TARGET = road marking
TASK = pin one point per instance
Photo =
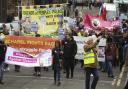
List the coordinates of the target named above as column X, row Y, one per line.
column 126, row 79
column 51, row 78
column 114, row 81
column 120, row 77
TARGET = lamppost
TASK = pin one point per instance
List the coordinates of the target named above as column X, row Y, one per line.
column 19, row 9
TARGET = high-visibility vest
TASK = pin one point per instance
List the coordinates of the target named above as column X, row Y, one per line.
column 79, row 34
column 89, row 57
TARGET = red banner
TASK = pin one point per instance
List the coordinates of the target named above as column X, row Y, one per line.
column 31, row 45
column 95, row 22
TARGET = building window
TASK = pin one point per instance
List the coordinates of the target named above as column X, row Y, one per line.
column 123, row 8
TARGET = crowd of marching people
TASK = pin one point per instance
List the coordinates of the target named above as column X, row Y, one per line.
column 116, row 50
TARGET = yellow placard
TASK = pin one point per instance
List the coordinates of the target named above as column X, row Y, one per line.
column 43, row 19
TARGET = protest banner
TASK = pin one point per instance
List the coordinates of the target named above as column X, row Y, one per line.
column 101, row 53
column 96, row 22
column 45, row 58
column 47, row 18
column 31, row 45
column 81, row 41
column 17, row 57
column 102, row 42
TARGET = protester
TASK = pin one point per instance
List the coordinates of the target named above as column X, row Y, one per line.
column 5, row 29
column 118, row 41
column 90, row 4
column 70, row 50
column 109, row 59
column 37, row 70
column 91, row 63
column 125, row 58
column 81, row 33
column 2, row 58
column 57, row 60
column 5, row 66
column 17, row 67
column 101, row 52
column 76, row 13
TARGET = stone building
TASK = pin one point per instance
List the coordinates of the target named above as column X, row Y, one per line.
column 10, row 7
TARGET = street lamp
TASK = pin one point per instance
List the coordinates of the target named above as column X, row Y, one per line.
column 19, row 9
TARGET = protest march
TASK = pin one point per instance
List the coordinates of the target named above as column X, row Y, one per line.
column 50, row 37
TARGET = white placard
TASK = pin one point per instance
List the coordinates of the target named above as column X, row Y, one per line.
column 17, row 57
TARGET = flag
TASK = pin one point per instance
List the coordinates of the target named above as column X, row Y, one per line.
column 103, row 13
column 95, row 22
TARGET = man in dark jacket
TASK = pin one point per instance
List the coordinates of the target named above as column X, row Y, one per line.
column 2, row 58
column 70, row 50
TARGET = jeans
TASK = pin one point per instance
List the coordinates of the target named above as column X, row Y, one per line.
column 1, row 71
column 37, row 69
column 102, row 66
column 70, row 68
column 57, row 70
column 17, row 68
column 109, row 67
column 95, row 73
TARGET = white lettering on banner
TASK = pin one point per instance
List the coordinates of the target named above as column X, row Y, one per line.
column 115, row 23
column 17, row 57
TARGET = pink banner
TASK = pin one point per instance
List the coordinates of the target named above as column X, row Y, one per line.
column 95, row 22
column 18, row 57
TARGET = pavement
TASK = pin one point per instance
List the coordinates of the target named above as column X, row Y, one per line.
column 25, row 80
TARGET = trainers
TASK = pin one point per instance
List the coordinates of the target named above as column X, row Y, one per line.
column 2, row 83
column 38, row 74
column 59, row 83
column 111, row 76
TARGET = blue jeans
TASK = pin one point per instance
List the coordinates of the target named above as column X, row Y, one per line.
column 57, row 70
column 102, row 66
column 95, row 73
column 109, row 67
column 1, row 71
